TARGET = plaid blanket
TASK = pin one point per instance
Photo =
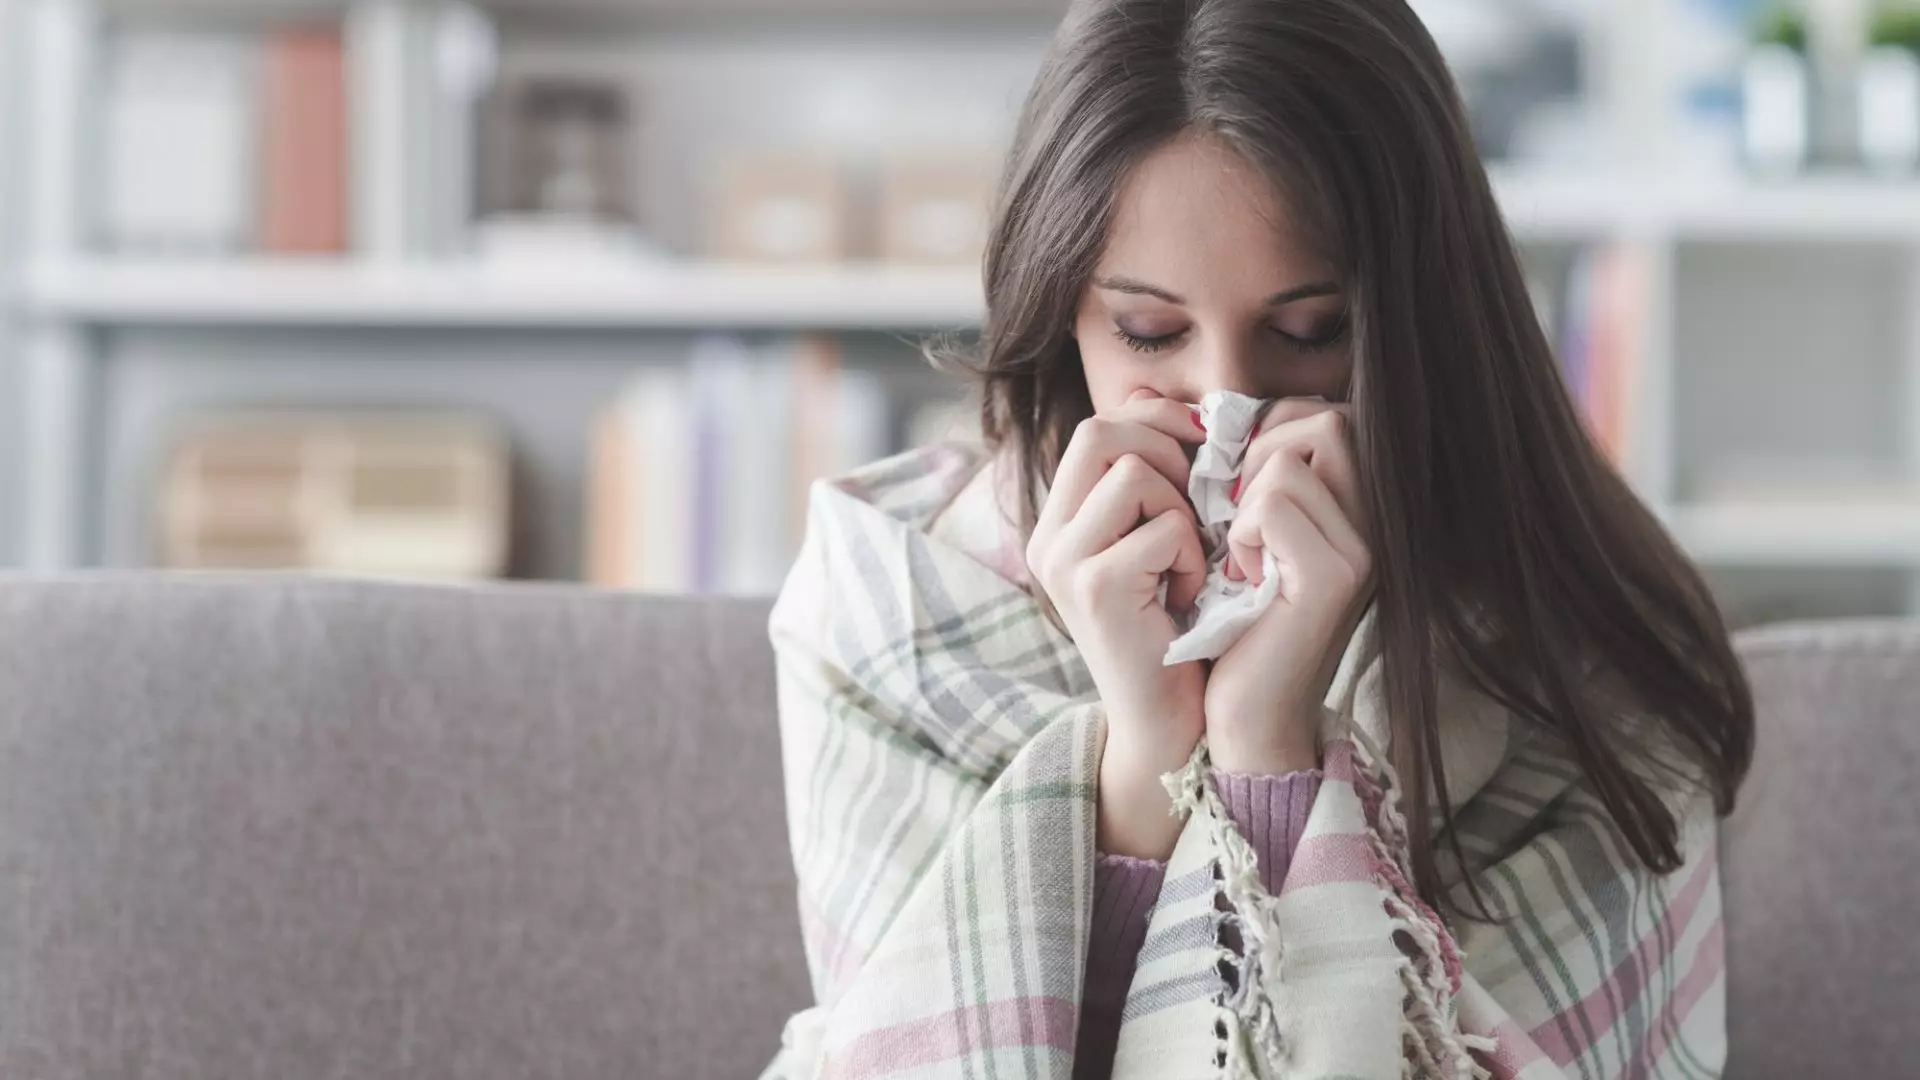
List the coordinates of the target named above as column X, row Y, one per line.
column 941, row 742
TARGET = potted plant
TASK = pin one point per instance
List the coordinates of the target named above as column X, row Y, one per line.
column 1889, row 89
column 1777, row 86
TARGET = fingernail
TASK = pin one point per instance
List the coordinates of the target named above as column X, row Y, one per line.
column 1199, row 423
column 1233, row 571
column 1234, row 495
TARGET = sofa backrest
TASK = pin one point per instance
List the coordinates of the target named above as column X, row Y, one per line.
column 1821, row 859
column 273, row 828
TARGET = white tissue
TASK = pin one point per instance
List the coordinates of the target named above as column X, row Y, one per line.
column 1225, row 608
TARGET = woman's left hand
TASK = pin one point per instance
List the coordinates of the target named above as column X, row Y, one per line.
column 1299, row 500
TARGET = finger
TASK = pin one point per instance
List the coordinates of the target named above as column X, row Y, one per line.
column 1282, row 529
column 1244, row 562
column 1286, row 486
column 1130, row 492
column 1322, row 437
column 1168, row 545
column 1298, row 481
column 1294, row 417
column 1163, row 414
column 1096, row 444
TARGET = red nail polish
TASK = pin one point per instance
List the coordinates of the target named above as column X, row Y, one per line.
column 1197, row 422
column 1234, row 495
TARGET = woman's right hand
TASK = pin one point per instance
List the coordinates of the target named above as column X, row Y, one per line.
column 1115, row 524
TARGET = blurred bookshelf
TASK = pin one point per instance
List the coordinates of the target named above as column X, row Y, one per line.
column 534, row 213
column 562, row 216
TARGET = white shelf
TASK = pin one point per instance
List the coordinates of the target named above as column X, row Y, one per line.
column 1833, row 208
column 1876, row 533
column 265, row 290
column 1812, row 208
column 1561, row 208
column 322, row 292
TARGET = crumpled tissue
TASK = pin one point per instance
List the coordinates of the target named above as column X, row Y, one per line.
column 1225, row 609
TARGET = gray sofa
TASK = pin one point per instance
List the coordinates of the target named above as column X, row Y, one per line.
column 291, row 829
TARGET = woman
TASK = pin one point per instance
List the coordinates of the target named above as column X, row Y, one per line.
column 1445, row 809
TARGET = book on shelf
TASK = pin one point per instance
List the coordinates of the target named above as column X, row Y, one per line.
column 462, row 56
column 304, row 162
column 177, row 122
column 418, row 75
column 701, row 469
column 1601, row 335
column 213, row 142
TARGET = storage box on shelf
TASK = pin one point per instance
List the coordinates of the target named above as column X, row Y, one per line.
column 371, row 495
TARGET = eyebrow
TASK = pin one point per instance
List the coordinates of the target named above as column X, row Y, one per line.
column 1137, row 287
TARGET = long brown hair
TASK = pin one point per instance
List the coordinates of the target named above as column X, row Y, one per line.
column 1505, row 545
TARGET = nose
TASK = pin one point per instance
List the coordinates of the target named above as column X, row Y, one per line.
column 1224, row 362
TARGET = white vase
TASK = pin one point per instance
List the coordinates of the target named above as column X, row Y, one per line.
column 1889, row 87
column 1777, row 89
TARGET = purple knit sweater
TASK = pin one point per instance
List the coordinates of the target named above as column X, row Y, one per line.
column 1270, row 811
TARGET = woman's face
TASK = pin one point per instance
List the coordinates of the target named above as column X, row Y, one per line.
column 1206, row 285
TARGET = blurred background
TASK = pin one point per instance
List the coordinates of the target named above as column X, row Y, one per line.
column 590, row 289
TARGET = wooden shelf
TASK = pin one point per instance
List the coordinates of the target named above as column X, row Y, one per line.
column 322, row 292
column 1880, row 532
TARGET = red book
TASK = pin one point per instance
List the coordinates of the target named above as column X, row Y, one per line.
column 303, row 202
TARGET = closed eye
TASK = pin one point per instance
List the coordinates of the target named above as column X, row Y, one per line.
column 1324, row 339
column 1142, row 344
